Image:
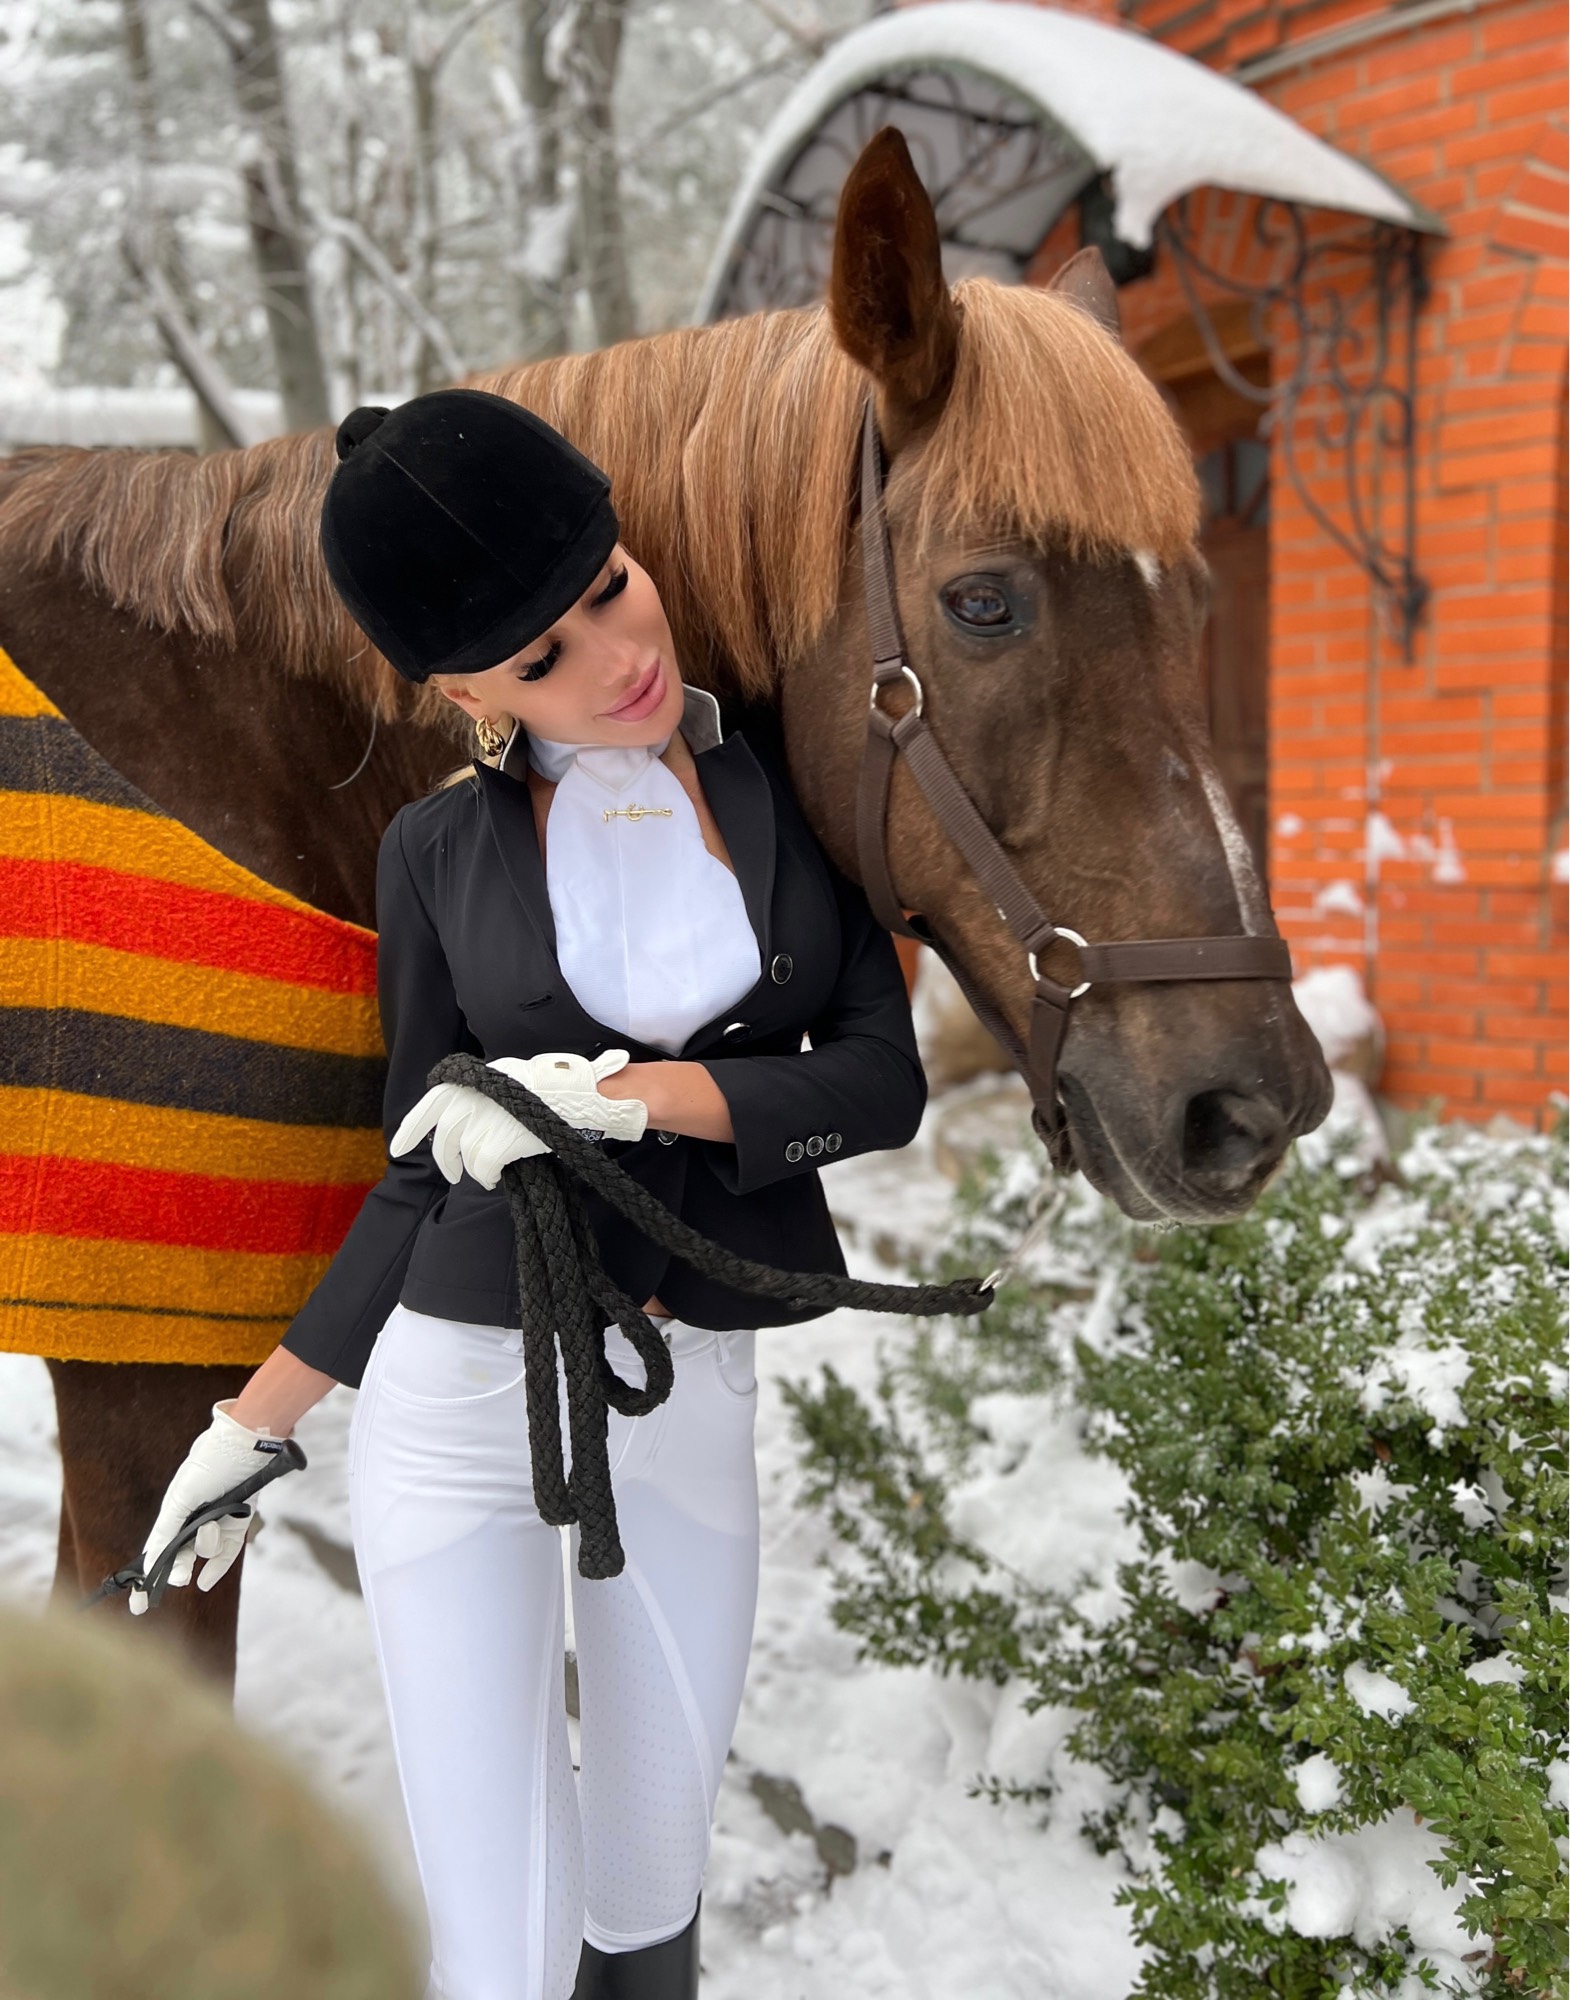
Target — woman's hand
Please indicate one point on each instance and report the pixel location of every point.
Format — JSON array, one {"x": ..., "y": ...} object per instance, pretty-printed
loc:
[
  {"x": 680, "y": 1096},
  {"x": 224, "y": 1454},
  {"x": 471, "y": 1134}
]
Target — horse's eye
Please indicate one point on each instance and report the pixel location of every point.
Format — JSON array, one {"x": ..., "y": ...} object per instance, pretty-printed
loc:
[{"x": 979, "y": 604}]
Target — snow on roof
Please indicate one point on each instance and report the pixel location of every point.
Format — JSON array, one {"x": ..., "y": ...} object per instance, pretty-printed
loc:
[{"x": 1158, "y": 123}]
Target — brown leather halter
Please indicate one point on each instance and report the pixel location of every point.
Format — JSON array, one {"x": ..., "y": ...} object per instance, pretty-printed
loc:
[{"x": 1136, "y": 961}]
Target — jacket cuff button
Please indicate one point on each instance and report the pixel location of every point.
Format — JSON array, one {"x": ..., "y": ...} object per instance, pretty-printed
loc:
[
  {"x": 833, "y": 1142},
  {"x": 666, "y": 1138},
  {"x": 814, "y": 1147},
  {"x": 795, "y": 1151},
  {"x": 780, "y": 970}
]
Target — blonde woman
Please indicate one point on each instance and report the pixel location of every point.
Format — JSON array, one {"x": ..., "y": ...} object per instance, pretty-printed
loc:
[{"x": 618, "y": 882}]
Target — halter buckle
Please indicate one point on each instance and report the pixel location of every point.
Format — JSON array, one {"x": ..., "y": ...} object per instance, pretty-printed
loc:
[
  {"x": 1062, "y": 931},
  {"x": 909, "y": 674}
]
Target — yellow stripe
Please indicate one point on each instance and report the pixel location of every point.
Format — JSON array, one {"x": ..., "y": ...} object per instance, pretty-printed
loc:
[
  {"x": 155, "y": 1276},
  {"x": 37, "y": 826},
  {"x": 57, "y": 972},
  {"x": 63, "y": 1123},
  {"x": 18, "y": 696},
  {"x": 131, "y": 1336}
]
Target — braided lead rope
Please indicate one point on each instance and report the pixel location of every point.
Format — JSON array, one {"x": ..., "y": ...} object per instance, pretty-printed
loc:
[{"x": 567, "y": 1297}]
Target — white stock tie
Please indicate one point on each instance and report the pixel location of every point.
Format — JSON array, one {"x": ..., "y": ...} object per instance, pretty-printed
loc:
[{"x": 652, "y": 934}]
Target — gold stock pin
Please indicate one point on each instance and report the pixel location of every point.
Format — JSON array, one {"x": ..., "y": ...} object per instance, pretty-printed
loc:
[{"x": 635, "y": 813}]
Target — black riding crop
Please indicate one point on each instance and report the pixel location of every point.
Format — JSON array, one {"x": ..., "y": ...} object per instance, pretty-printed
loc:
[{"x": 283, "y": 1455}]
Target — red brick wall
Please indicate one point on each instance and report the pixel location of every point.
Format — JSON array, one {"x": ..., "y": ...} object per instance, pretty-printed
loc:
[{"x": 1418, "y": 815}]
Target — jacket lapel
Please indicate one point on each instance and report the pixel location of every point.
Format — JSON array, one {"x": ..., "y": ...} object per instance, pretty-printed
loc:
[
  {"x": 511, "y": 813},
  {"x": 737, "y": 789}
]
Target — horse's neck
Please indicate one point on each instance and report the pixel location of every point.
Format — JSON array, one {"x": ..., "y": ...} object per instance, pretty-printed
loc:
[{"x": 246, "y": 756}]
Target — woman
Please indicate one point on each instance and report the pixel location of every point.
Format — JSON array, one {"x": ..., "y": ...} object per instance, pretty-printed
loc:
[{"x": 613, "y": 877}]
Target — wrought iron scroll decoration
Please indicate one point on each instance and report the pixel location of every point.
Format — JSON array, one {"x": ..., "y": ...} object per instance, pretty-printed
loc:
[
  {"x": 1355, "y": 374},
  {"x": 998, "y": 150}
]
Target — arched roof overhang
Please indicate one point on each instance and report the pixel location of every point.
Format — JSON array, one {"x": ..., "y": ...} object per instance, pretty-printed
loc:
[{"x": 1012, "y": 113}]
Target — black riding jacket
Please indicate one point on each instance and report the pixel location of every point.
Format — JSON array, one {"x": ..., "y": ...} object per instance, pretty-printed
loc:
[{"x": 466, "y": 961}]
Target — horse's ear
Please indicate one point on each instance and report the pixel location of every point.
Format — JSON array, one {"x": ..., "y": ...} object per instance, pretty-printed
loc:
[
  {"x": 1086, "y": 282},
  {"x": 888, "y": 302}
]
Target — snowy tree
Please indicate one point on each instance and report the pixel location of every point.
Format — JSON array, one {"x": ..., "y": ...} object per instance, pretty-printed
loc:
[{"x": 343, "y": 199}]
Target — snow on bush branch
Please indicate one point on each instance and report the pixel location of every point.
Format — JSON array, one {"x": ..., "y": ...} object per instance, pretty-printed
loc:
[{"x": 1327, "y": 1696}]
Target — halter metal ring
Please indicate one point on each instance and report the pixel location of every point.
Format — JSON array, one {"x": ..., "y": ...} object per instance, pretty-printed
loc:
[
  {"x": 1073, "y": 937},
  {"x": 910, "y": 675}
]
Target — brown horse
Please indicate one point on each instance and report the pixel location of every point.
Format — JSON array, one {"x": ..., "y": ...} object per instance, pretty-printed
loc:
[{"x": 1043, "y": 509}]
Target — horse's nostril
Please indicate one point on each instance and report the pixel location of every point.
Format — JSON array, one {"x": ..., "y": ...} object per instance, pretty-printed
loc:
[{"x": 1226, "y": 1133}]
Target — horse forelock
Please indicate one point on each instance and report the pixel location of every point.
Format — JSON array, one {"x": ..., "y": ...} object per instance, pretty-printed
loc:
[
  {"x": 732, "y": 452},
  {"x": 1050, "y": 435}
]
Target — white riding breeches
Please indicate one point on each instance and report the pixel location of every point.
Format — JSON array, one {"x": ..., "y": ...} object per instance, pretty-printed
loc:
[{"x": 463, "y": 1582}]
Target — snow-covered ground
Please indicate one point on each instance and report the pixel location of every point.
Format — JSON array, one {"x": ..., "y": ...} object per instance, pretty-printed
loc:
[{"x": 949, "y": 1894}]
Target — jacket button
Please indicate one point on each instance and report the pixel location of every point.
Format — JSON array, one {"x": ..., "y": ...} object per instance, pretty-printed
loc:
[
  {"x": 666, "y": 1138},
  {"x": 795, "y": 1151},
  {"x": 833, "y": 1142},
  {"x": 735, "y": 1028},
  {"x": 782, "y": 968},
  {"x": 814, "y": 1147}
]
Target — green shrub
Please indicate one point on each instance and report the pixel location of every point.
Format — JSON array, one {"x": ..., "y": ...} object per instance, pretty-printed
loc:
[{"x": 1330, "y": 1694}]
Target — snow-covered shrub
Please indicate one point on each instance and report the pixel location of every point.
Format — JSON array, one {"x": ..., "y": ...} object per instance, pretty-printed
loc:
[{"x": 1329, "y": 1691}]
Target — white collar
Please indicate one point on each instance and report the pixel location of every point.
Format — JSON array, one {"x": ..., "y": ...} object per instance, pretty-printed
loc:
[{"x": 700, "y": 725}]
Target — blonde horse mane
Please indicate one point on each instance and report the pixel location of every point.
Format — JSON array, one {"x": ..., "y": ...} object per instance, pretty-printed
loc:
[{"x": 732, "y": 451}]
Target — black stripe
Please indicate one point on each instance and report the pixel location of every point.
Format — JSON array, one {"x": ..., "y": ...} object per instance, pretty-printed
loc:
[
  {"x": 147, "y": 1312},
  {"x": 187, "y": 1069},
  {"x": 42, "y": 753}
]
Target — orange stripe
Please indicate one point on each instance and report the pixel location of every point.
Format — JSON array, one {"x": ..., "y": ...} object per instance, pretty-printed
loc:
[
  {"x": 69, "y": 1334},
  {"x": 18, "y": 696},
  {"x": 155, "y": 1277},
  {"x": 108, "y": 1129},
  {"x": 55, "y": 973}
]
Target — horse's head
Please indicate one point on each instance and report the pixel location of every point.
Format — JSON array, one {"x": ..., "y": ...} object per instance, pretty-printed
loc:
[{"x": 1042, "y": 511}]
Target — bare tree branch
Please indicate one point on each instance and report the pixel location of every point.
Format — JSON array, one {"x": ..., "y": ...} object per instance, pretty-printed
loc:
[
  {"x": 235, "y": 35},
  {"x": 814, "y": 35},
  {"x": 460, "y": 26},
  {"x": 272, "y": 202},
  {"x": 715, "y": 94},
  {"x": 212, "y": 387},
  {"x": 355, "y": 238}
]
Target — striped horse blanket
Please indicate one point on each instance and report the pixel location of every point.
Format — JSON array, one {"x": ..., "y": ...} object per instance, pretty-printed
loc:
[{"x": 191, "y": 1071}]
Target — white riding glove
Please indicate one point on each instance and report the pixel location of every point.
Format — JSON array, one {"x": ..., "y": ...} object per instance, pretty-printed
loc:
[
  {"x": 470, "y": 1134},
  {"x": 224, "y": 1454}
]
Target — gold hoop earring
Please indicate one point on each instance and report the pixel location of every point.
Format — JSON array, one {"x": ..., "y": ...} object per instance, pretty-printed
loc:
[{"x": 491, "y": 740}]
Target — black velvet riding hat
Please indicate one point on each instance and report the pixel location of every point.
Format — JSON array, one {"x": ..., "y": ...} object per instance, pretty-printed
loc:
[{"x": 460, "y": 526}]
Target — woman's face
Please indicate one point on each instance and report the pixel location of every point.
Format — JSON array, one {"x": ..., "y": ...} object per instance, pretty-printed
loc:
[{"x": 609, "y": 668}]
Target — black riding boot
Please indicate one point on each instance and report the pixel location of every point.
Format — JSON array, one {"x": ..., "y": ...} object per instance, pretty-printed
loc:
[{"x": 664, "y": 1971}]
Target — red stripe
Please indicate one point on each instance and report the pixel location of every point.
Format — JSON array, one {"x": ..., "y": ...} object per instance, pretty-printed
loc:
[
  {"x": 106, "y": 906},
  {"x": 86, "y": 1198}
]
